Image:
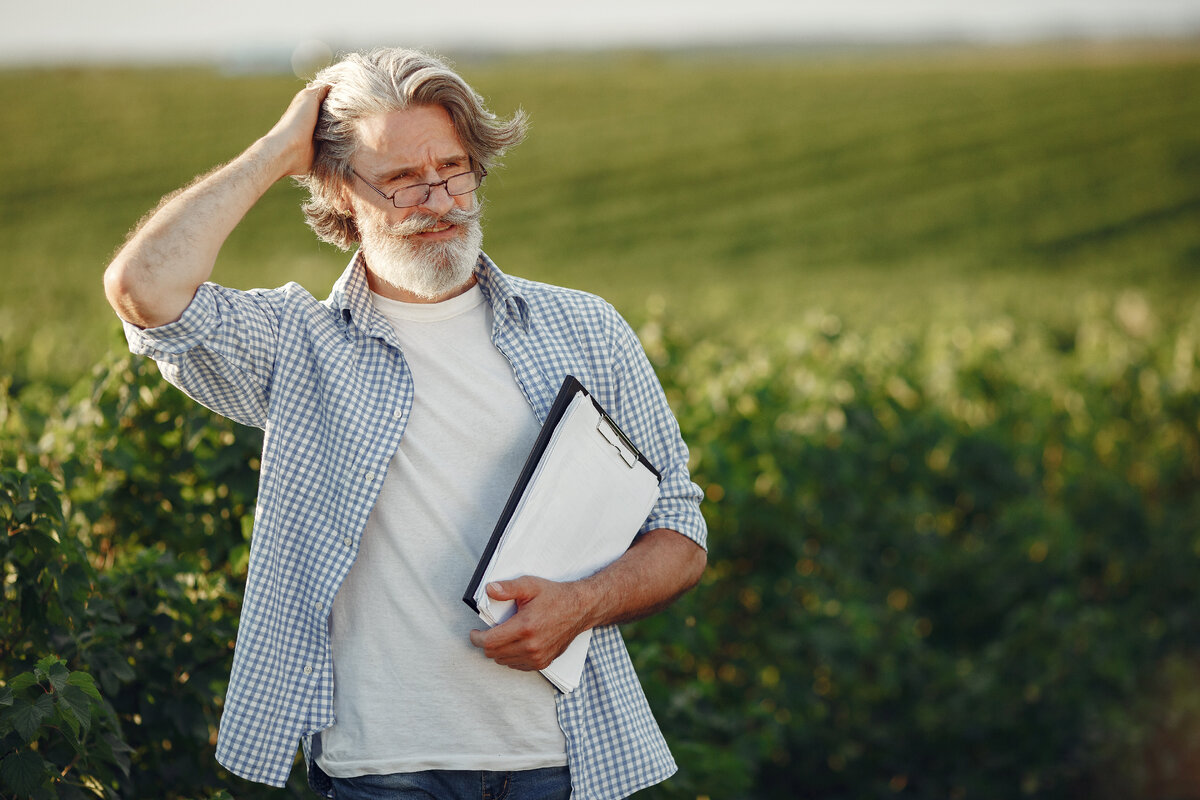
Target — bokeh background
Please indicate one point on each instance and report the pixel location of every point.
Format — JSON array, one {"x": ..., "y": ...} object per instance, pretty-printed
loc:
[{"x": 920, "y": 280}]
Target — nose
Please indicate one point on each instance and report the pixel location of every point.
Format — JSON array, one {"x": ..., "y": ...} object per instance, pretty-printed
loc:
[{"x": 439, "y": 201}]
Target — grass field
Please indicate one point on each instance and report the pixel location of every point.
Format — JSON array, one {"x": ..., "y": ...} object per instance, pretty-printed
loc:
[
  {"x": 738, "y": 191},
  {"x": 937, "y": 363}
]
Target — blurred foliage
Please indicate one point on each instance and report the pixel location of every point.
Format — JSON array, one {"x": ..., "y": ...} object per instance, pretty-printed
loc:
[
  {"x": 954, "y": 564},
  {"x": 132, "y": 573},
  {"x": 58, "y": 736}
]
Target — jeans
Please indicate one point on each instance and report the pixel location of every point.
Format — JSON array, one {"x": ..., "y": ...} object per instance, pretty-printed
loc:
[{"x": 551, "y": 783}]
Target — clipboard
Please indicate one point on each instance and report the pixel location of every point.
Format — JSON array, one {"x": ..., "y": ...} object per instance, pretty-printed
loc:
[{"x": 582, "y": 495}]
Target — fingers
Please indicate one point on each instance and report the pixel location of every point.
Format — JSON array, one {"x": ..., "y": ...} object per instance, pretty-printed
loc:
[
  {"x": 314, "y": 94},
  {"x": 508, "y": 634},
  {"x": 520, "y": 642},
  {"x": 509, "y": 647},
  {"x": 294, "y": 130},
  {"x": 498, "y": 591},
  {"x": 520, "y": 589},
  {"x": 315, "y": 85}
]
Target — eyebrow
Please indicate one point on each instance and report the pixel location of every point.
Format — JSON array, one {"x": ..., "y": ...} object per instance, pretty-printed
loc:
[{"x": 397, "y": 172}]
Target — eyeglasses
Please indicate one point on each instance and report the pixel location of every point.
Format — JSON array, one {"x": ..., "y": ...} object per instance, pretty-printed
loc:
[{"x": 418, "y": 193}]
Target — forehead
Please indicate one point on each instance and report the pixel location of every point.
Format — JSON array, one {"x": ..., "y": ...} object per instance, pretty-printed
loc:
[{"x": 411, "y": 137}]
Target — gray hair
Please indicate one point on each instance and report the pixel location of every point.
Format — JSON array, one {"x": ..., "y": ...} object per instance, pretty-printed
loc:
[{"x": 378, "y": 82}]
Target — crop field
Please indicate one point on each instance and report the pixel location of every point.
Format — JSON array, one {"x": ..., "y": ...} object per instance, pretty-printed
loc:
[
  {"x": 735, "y": 193},
  {"x": 930, "y": 323}
]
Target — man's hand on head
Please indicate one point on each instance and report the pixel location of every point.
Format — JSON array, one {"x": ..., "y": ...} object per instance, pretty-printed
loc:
[
  {"x": 293, "y": 133},
  {"x": 154, "y": 276},
  {"x": 549, "y": 617}
]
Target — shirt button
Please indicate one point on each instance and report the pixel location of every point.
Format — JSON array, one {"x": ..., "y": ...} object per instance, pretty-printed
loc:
[
  {"x": 347, "y": 541},
  {"x": 397, "y": 414},
  {"x": 307, "y": 670},
  {"x": 320, "y": 606},
  {"x": 370, "y": 476}
]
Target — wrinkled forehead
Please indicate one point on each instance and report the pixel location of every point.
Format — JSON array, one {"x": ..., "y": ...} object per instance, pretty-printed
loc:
[{"x": 410, "y": 137}]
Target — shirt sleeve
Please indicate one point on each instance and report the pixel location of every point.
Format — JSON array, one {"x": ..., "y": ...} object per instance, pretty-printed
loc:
[
  {"x": 221, "y": 352},
  {"x": 648, "y": 419}
]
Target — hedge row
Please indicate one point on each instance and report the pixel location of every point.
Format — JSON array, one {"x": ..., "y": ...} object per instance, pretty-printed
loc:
[
  {"x": 947, "y": 565},
  {"x": 952, "y": 563}
]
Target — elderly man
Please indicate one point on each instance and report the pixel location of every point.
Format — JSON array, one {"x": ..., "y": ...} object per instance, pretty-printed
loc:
[{"x": 397, "y": 414}]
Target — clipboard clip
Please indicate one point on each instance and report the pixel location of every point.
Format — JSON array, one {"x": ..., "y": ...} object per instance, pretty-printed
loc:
[{"x": 612, "y": 434}]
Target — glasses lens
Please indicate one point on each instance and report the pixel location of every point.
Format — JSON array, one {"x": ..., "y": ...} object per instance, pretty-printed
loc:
[
  {"x": 411, "y": 195},
  {"x": 414, "y": 195},
  {"x": 463, "y": 183}
]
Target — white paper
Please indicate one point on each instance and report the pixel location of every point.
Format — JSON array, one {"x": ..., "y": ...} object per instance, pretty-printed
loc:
[{"x": 579, "y": 513}]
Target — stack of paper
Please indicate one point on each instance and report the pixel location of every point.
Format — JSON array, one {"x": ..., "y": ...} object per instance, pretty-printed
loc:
[{"x": 584, "y": 493}]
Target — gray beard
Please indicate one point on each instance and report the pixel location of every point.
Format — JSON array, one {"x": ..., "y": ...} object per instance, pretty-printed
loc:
[{"x": 426, "y": 269}]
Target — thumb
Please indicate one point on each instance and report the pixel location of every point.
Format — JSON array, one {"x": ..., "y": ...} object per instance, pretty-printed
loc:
[{"x": 507, "y": 590}]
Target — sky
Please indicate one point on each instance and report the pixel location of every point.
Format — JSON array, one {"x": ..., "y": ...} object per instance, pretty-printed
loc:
[{"x": 84, "y": 31}]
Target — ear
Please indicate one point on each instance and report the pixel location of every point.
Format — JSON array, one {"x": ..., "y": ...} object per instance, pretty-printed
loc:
[{"x": 342, "y": 201}]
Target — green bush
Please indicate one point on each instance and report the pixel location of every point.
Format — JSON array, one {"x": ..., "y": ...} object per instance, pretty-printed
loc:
[
  {"x": 140, "y": 581},
  {"x": 950, "y": 563},
  {"x": 48, "y": 746},
  {"x": 946, "y": 565},
  {"x": 58, "y": 736}
]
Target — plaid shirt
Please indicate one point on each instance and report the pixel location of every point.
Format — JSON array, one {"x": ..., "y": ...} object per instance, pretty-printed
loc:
[{"x": 329, "y": 385}]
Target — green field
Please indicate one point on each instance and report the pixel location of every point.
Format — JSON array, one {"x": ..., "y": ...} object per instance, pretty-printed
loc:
[
  {"x": 738, "y": 191},
  {"x": 929, "y": 321}
]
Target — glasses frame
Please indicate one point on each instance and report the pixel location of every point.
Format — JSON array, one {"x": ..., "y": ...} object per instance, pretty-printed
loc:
[{"x": 429, "y": 187}]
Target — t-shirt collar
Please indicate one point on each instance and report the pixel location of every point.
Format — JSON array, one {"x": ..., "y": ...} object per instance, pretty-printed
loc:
[{"x": 351, "y": 295}]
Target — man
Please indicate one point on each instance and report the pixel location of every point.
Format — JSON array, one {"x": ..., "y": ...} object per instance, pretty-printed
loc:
[{"x": 397, "y": 414}]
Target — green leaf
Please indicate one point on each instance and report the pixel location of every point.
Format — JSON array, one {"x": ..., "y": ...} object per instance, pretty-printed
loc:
[
  {"x": 24, "y": 773},
  {"x": 45, "y": 664},
  {"x": 122, "y": 670},
  {"x": 75, "y": 705},
  {"x": 22, "y": 682},
  {"x": 85, "y": 683},
  {"x": 6, "y": 696},
  {"x": 24, "y": 510},
  {"x": 65, "y": 716},
  {"x": 59, "y": 675},
  {"x": 113, "y": 749},
  {"x": 27, "y": 717}
]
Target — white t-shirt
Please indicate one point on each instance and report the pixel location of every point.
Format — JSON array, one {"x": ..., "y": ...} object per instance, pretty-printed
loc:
[{"x": 410, "y": 690}]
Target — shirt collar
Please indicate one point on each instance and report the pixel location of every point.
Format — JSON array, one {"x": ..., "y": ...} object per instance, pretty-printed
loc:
[
  {"x": 352, "y": 297},
  {"x": 501, "y": 292}
]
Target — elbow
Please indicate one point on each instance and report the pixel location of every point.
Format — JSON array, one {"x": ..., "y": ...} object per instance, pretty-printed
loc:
[
  {"x": 689, "y": 560},
  {"x": 134, "y": 299},
  {"x": 119, "y": 291},
  {"x": 701, "y": 564},
  {"x": 117, "y": 287},
  {"x": 694, "y": 566}
]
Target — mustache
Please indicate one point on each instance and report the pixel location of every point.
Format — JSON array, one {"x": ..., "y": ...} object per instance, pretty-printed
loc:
[{"x": 422, "y": 223}]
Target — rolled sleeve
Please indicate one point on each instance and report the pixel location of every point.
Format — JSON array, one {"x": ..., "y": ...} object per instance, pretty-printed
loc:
[
  {"x": 197, "y": 322},
  {"x": 652, "y": 424},
  {"x": 221, "y": 351}
]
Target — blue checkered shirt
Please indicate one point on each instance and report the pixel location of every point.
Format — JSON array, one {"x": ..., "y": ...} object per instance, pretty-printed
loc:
[{"x": 329, "y": 385}]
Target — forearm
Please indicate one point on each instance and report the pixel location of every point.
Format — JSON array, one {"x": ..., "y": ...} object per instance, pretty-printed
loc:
[
  {"x": 154, "y": 276},
  {"x": 660, "y": 566}
]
